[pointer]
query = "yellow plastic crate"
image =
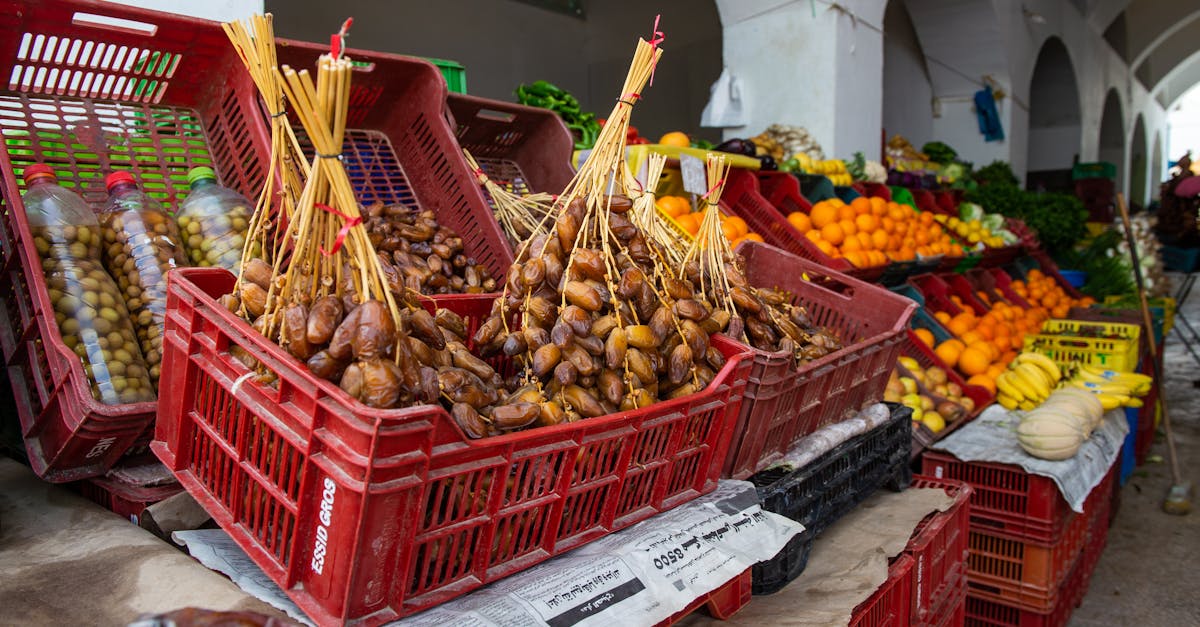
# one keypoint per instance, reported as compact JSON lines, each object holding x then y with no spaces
{"x":1058,"y":340}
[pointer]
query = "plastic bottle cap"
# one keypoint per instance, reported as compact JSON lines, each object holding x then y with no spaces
{"x":200,"y":173}
{"x":116,"y":178}
{"x":37,"y":171}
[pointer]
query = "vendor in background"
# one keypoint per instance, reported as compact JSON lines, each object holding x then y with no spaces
{"x":1180,"y":197}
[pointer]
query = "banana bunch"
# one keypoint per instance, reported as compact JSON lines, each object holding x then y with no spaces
{"x":1114,"y":389}
{"x":1028,"y":381}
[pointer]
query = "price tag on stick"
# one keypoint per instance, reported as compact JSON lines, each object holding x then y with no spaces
{"x":695,"y":179}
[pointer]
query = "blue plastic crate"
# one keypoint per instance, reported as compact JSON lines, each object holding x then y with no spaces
{"x":1127,"y":447}
{"x":1180,"y":259}
{"x":921,"y":318}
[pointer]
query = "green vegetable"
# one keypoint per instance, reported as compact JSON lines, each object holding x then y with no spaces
{"x":939,"y":152}
{"x":549,"y":96}
{"x":996,"y":172}
{"x":1108,"y":274}
{"x":970,"y":211}
{"x":702,"y":144}
{"x":858,"y":167}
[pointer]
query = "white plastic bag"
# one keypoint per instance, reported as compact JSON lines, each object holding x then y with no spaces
{"x":725,"y":107}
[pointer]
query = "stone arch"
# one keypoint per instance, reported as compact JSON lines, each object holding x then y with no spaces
{"x":1156,"y":164}
{"x":1112,"y":135}
{"x":1138,"y":163}
{"x":1055,"y":121}
{"x":907,"y":90}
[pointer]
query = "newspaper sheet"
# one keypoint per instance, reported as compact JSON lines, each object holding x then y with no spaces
{"x":639,"y":576}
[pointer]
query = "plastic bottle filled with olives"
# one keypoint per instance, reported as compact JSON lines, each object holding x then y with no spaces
{"x":213,"y":221}
{"x":88,"y":306}
{"x":141,"y":244}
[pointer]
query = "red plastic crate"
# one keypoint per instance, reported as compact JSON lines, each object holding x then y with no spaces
{"x":363,"y":516}
{"x":995,"y":257}
{"x":1146,"y":426}
{"x":125,"y":500}
{"x":874,"y":190}
{"x":399,"y":146}
{"x":1027,"y":573}
{"x":768,"y":217}
{"x":721,"y":603}
{"x":925,"y":201}
{"x":918,"y":350}
{"x":939,"y":548}
{"x":782,"y":403}
{"x":947,"y":203}
{"x":1002,"y":283}
{"x":891,"y":604}
{"x":1005,"y":498}
{"x":526,"y":149}
{"x":960,"y":287}
{"x":1024,"y":573}
{"x":950,"y":609}
{"x":937,"y":292}
{"x":155,"y":97}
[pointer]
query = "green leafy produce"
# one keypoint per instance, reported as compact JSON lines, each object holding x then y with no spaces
{"x":857,"y":168}
{"x":939,"y":152}
{"x":1108,"y":274}
{"x":996,"y":173}
{"x":582,"y":124}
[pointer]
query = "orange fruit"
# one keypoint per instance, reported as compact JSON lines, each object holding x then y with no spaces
{"x":866,"y":222}
{"x":814,"y":235}
{"x":961,"y":324}
{"x":879,"y":239}
{"x":942,"y":317}
{"x":846,"y":212}
{"x":730,"y":231}
{"x":848,"y":227}
{"x":851,"y":244}
{"x":753,"y":237}
{"x":689,"y":222}
{"x":878,"y":206}
{"x":864,"y":240}
{"x":949,"y":351}
{"x":983,"y":381}
{"x":675,"y":138}
{"x":800,"y":221}
{"x":674,"y":206}
{"x":833,"y":234}
{"x":973,"y":360}
{"x":861,"y":205}
{"x":823,"y":213}
{"x":925,"y":335}
{"x":827,"y":248}
{"x":856,"y":259}
{"x":738,"y":224}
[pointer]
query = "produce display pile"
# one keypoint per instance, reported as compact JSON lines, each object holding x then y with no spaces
{"x":617,"y":292}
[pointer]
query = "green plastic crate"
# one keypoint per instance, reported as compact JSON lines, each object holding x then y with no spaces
{"x":1096,"y":170}
{"x":454,"y":72}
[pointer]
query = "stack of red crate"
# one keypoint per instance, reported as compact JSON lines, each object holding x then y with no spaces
{"x":1030,"y":556}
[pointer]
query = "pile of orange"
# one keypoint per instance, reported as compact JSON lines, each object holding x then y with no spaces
{"x":1042,"y":291}
{"x":679,"y":209}
{"x":871,"y":232}
{"x":983,"y":345}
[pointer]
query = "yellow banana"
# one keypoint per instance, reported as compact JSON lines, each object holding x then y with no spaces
{"x":1027,"y":405}
{"x":1132,"y":379}
{"x":1007,"y":401}
{"x":1134,"y":402}
{"x":1101,"y":388}
{"x":1031,"y":385}
{"x":1112,"y":401}
{"x":1005,"y":386}
{"x":1039,"y":374}
{"x":1043,"y":362}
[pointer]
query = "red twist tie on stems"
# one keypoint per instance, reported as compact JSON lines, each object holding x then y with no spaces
{"x":630,"y":98}
{"x":337,"y":41}
{"x":711,"y":190}
{"x":341,"y":236}
{"x":656,"y":37}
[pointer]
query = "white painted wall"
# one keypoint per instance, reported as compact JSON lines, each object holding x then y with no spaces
{"x":808,"y":64}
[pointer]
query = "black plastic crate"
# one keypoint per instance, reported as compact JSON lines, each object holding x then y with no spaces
{"x":829,"y":487}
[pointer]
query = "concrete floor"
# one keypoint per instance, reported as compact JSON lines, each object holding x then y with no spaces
{"x":1148,"y":573}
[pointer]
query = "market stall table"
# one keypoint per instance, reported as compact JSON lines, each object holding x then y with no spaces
{"x":66,"y":561}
